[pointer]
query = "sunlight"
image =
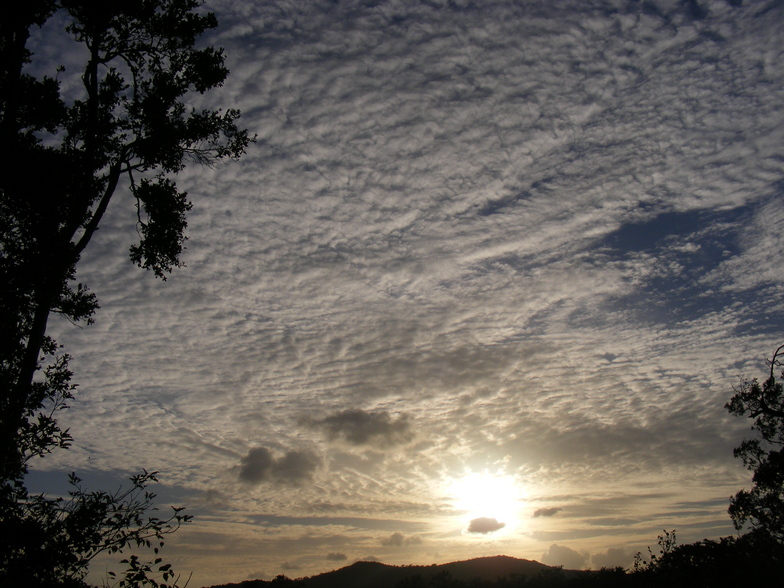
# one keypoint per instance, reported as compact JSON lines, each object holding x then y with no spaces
{"x":493,"y":496}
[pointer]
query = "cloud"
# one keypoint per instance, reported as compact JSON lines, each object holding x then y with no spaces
{"x":394,"y":540}
{"x":613,"y":557}
{"x":761,"y":245}
{"x":336,"y":556}
{"x":359,"y":427}
{"x":398,"y":540}
{"x":560,"y":555}
{"x":295,"y":467}
{"x":547,"y":512}
{"x":484,"y":525}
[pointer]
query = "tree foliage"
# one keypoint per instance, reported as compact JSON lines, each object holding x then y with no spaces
{"x":750,"y":559}
{"x":63,"y":160}
{"x":762,"y":506}
{"x":129,"y":122}
{"x":67,"y":534}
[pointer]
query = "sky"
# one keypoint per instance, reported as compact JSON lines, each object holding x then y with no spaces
{"x":482,"y":286}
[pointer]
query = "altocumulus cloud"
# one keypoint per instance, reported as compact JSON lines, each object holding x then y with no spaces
{"x":485,"y":525}
{"x":465,"y":215}
{"x":359,"y":427}
{"x":295,"y":467}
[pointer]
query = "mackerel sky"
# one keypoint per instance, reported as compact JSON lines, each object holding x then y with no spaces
{"x":482,"y":286}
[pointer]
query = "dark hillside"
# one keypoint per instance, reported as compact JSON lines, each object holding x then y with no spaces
{"x":361,"y":573}
{"x":364,"y":574}
{"x":490,"y":568}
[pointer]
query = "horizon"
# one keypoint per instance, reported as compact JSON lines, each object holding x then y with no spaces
{"x":483,"y":286}
{"x":486,"y":559}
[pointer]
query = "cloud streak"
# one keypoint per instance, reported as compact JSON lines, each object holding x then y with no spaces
{"x":547,"y":512}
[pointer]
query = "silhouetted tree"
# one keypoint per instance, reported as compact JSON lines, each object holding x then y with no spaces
{"x":51,"y":541}
{"x":63,"y":159}
{"x":750,"y":559}
{"x":763,"y":505}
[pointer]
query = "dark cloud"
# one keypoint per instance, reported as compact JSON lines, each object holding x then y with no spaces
{"x":295,"y":467}
{"x":359,"y":427}
{"x":336,"y":556}
{"x":560,"y":555}
{"x":484,"y":525}
{"x":398,"y":540}
{"x":547,"y":512}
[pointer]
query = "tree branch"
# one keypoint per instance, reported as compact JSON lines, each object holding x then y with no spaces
{"x":114,"y":177}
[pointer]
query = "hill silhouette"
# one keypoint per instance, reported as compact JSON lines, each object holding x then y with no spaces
{"x":378,"y":575}
{"x":371,"y":573}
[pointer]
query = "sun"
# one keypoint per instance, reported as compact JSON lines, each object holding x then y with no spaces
{"x":489,"y":496}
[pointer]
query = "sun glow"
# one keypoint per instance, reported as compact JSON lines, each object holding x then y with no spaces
{"x":490,"y":496}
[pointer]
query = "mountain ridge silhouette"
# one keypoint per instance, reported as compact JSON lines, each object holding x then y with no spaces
{"x":362,"y":574}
